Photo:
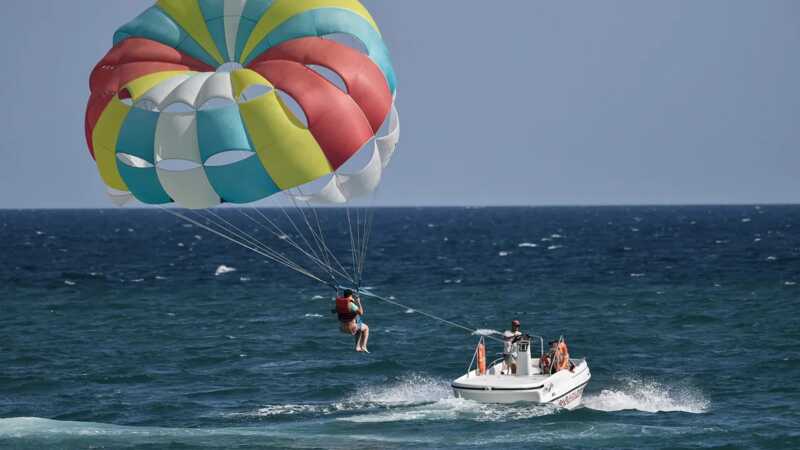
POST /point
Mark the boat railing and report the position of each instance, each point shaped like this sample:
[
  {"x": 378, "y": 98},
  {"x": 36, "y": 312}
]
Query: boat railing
[{"x": 493, "y": 363}]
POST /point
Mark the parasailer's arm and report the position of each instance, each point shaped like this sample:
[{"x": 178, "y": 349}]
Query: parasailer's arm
[{"x": 360, "y": 306}]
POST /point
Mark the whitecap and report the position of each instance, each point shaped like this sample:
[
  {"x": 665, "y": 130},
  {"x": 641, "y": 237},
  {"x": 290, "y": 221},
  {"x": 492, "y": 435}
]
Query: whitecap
[
  {"x": 244, "y": 279},
  {"x": 159, "y": 277},
  {"x": 317, "y": 297},
  {"x": 70, "y": 283},
  {"x": 772, "y": 258},
  {"x": 223, "y": 269},
  {"x": 137, "y": 280},
  {"x": 503, "y": 253},
  {"x": 746, "y": 220},
  {"x": 312, "y": 316},
  {"x": 527, "y": 245},
  {"x": 410, "y": 311},
  {"x": 554, "y": 247},
  {"x": 637, "y": 275},
  {"x": 789, "y": 283},
  {"x": 556, "y": 236}
]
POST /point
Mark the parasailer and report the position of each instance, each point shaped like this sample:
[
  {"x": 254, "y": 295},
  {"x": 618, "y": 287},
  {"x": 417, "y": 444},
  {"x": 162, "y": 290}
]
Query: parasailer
[
  {"x": 200, "y": 103},
  {"x": 350, "y": 313}
]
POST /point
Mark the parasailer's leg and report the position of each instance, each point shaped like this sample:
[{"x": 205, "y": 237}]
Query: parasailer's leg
[{"x": 361, "y": 346}]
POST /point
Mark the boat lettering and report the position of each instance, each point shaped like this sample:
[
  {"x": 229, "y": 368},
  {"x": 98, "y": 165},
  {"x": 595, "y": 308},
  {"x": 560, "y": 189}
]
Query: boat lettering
[{"x": 570, "y": 397}]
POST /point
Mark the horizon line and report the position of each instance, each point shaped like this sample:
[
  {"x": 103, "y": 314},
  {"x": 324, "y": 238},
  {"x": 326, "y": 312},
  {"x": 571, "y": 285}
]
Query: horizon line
[{"x": 460, "y": 206}]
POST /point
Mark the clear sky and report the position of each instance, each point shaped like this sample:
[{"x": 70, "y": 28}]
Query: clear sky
[{"x": 508, "y": 102}]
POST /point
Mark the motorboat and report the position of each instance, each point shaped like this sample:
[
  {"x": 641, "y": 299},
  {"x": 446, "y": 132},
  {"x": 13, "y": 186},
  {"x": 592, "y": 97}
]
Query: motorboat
[{"x": 532, "y": 382}]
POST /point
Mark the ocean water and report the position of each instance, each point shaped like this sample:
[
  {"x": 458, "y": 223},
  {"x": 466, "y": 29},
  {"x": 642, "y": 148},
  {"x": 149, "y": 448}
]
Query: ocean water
[{"x": 129, "y": 329}]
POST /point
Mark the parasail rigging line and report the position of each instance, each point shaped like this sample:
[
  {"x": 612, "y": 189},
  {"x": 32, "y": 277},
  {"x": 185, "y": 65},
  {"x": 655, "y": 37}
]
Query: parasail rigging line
[
  {"x": 278, "y": 232},
  {"x": 241, "y": 234},
  {"x": 300, "y": 233},
  {"x": 247, "y": 238},
  {"x": 317, "y": 235},
  {"x": 233, "y": 239},
  {"x": 428, "y": 315},
  {"x": 321, "y": 247},
  {"x": 330, "y": 268},
  {"x": 319, "y": 231},
  {"x": 353, "y": 247}
]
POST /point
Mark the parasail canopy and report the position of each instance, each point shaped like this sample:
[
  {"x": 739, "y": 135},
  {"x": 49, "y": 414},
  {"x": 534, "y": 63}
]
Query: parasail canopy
[{"x": 203, "y": 102}]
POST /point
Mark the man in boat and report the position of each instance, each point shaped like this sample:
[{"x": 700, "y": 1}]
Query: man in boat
[
  {"x": 510, "y": 339},
  {"x": 349, "y": 311}
]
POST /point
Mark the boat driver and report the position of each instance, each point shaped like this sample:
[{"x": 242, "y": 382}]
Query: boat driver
[
  {"x": 510, "y": 339},
  {"x": 349, "y": 311}
]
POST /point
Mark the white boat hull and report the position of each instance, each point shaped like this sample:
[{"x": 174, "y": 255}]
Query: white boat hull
[{"x": 563, "y": 389}]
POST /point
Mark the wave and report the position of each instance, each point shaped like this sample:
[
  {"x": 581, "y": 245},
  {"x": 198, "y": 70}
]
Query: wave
[
  {"x": 648, "y": 396},
  {"x": 223, "y": 269}
]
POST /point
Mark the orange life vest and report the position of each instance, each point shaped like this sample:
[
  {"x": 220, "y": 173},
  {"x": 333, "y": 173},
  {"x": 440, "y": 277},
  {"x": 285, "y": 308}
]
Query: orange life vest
[
  {"x": 563, "y": 356},
  {"x": 343, "y": 309}
]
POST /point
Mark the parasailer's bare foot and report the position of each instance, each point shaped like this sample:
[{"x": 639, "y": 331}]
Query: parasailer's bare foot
[
  {"x": 359, "y": 349},
  {"x": 364, "y": 349}
]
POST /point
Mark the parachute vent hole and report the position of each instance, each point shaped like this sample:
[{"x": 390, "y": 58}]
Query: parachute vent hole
[
  {"x": 216, "y": 103},
  {"x": 177, "y": 165},
  {"x": 331, "y": 76},
  {"x": 133, "y": 161},
  {"x": 178, "y": 107},
  {"x": 229, "y": 157},
  {"x": 253, "y": 92},
  {"x": 293, "y": 109},
  {"x": 231, "y": 66},
  {"x": 348, "y": 40}
]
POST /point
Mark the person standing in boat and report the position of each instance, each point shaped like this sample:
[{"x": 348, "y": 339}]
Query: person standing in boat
[
  {"x": 510, "y": 339},
  {"x": 350, "y": 312}
]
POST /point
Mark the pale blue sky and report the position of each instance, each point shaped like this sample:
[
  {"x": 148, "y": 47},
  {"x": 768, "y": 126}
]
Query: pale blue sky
[{"x": 521, "y": 102}]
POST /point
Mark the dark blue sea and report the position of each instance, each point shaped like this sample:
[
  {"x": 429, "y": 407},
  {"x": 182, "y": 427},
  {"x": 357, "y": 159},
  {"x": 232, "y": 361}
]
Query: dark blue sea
[{"x": 124, "y": 329}]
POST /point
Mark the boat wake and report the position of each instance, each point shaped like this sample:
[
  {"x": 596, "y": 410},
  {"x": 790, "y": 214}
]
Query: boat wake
[
  {"x": 648, "y": 396},
  {"x": 410, "y": 398}
]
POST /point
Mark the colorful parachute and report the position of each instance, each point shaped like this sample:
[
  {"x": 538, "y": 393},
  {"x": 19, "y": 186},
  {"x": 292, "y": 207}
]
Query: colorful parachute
[{"x": 177, "y": 87}]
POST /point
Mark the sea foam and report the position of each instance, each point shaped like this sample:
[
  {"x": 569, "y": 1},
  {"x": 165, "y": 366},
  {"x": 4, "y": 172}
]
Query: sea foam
[{"x": 648, "y": 396}]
